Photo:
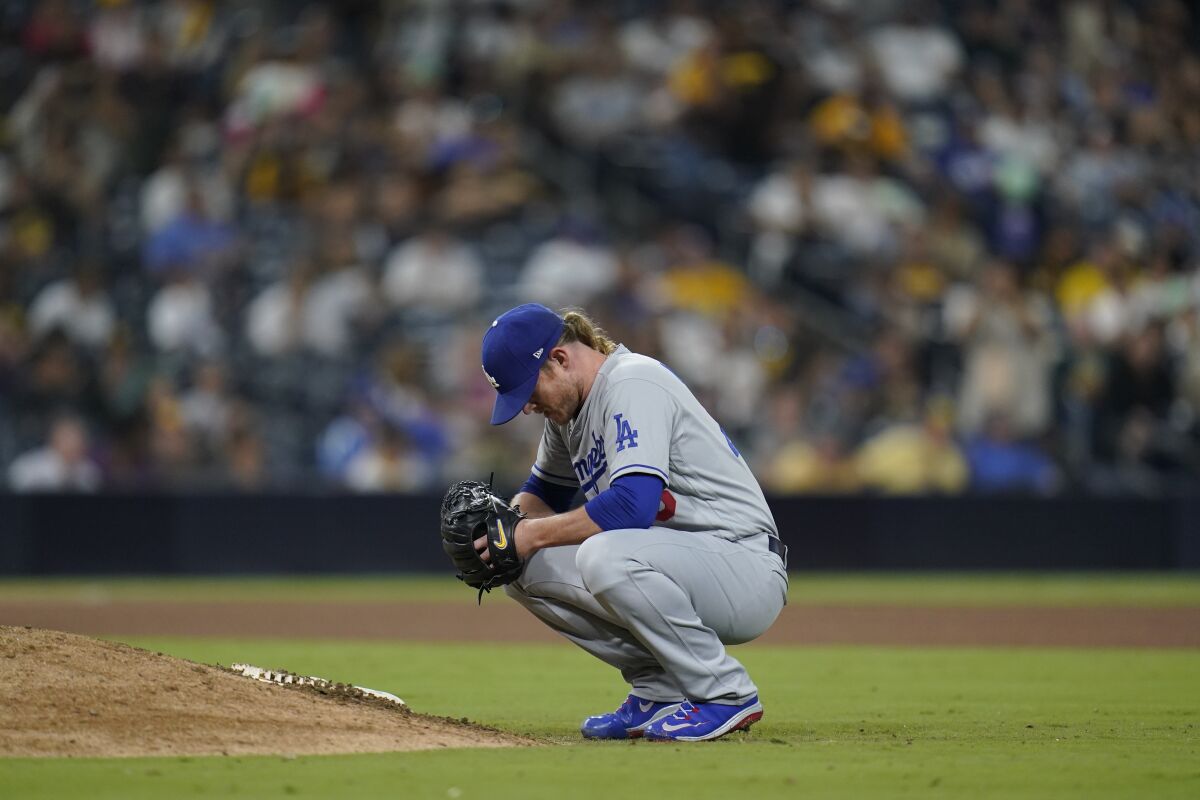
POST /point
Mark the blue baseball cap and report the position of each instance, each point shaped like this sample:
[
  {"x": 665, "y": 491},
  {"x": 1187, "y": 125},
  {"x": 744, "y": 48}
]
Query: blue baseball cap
[{"x": 514, "y": 349}]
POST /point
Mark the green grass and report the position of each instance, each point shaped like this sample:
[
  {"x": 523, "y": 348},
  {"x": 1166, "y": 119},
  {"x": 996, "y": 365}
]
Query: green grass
[
  {"x": 983, "y": 589},
  {"x": 841, "y": 722}
]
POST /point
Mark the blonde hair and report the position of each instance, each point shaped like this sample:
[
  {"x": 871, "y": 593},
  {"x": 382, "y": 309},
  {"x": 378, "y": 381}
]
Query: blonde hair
[{"x": 578, "y": 328}]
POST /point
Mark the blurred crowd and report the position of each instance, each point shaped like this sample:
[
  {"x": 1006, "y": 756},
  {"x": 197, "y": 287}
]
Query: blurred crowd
[{"x": 895, "y": 246}]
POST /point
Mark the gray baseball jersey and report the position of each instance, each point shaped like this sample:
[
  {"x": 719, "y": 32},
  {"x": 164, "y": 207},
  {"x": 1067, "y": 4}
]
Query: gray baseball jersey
[{"x": 640, "y": 417}]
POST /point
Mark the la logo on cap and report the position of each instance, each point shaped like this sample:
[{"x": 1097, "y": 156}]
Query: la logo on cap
[{"x": 495, "y": 383}]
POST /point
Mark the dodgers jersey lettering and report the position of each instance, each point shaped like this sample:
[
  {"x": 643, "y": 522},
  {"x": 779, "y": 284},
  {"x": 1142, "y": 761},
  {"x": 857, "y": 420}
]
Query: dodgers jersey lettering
[{"x": 639, "y": 417}]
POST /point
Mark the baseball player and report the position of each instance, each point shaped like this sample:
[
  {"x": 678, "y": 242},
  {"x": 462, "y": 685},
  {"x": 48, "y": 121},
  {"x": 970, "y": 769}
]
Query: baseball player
[{"x": 674, "y": 553}]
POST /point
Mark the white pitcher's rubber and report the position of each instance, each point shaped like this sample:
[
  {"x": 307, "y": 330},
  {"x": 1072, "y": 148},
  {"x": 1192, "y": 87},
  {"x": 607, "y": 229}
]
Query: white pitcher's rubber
[{"x": 285, "y": 678}]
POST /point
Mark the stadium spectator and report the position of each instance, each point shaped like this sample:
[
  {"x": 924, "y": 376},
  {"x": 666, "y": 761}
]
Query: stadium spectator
[
  {"x": 192, "y": 241},
  {"x": 117, "y": 35},
  {"x": 1133, "y": 425},
  {"x": 911, "y": 458},
  {"x": 1004, "y": 336},
  {"x": 916, "y": 57},
  {"x": 388, "y": 465},
  {"x": 180, "y": 318},
  {"x": 78, "y": 306},
  {"x": 598, "y": 103},
  {"x": 485, "y": 182},
  {"x": 206, "y": 407},
  {"x": 571, "y": 268},
  {"x": 346, "y": 438},
  {"x": 1000, "y": 463},
  {"x": 864, "y": 123},
  {"x": 954, "y": 243},
  {"x": 694, "y": 279},
  {"x": 275, "y": 318},
  {"x": 60, "y": 465},
  {"x": 122, "y": 377},
  {"x": 862, "y": 209},
  {"x": 855, "y": 209},
  {"x": 779, "y": 208},
  {"x": 52, "y": 32},
  {"x": 655, "y": 42},
  {"x": 166, "y": 193},
  {"x": 396, "y": 203},
  {"x": 820, "y": 466},
  {"x": 433, "y": 271},
  {"x": 245, "y": 461},
  {"x": 53, "y": 377},
  {"x": 340, "y": 302}
]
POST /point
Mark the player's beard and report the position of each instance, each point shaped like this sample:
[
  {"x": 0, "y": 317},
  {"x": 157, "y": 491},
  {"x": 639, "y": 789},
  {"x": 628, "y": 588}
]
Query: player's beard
[
  {"x": 562, "y": 413},
  {"x": 564, "y": 408}
]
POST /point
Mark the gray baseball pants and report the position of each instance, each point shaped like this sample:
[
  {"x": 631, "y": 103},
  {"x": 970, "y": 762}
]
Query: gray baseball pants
[{"x": 660, "y": 605}]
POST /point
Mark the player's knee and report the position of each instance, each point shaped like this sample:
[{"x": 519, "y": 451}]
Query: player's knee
[
  {"x": 601, "y": 561},
  {"x": 589, "y": 560},
  {"x": 594, "y": 562}
]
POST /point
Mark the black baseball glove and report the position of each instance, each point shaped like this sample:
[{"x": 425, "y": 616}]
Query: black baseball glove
[{"x": 469, "y": 511}]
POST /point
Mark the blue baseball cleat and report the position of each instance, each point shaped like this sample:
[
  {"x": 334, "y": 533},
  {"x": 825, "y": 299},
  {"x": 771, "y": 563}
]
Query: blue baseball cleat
[
  {"x": 628, "y": 721},
  {"x": 699, "y": 722}
]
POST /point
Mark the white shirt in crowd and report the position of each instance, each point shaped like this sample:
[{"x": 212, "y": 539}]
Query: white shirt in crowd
[
  {"x": 319, "y": 317},
  {"x": 334, "y": 304},
  {"x": 432, "y": 272},
  {"x": 44, "y": 470},
  {"x": 917, "y": 62},
  {"x": 207, "y": 413},
  {"x": 117, "y": 37},
  {"x": 180, "y": 318},
  {"x": 656, "y": 46},
  {"x": 591, "y": 108},
  {"x": 862, "y": 212},
  {"x": 86, "y": 320},
  {"x": 164, "y": 196},
  {"x": 564, "y": 272},
  {"x": 375, "y": 470},
  {"x": 776, "y": 203},
  {"x": 1028, "y": 140},
  {"x": 273, "y": 320}
]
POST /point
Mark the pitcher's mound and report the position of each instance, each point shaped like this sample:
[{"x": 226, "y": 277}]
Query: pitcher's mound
[{"x": 67, "y": 695}]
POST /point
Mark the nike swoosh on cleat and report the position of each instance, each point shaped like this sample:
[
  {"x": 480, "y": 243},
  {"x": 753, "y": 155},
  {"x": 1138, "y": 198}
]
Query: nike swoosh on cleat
[
  {"x": 669, "y": 727},
  {"x": 646, "y": 706}
]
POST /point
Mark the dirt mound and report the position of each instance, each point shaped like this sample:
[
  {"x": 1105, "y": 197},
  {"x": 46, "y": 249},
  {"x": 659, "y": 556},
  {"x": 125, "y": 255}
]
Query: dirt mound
[{"x": 67, "y": 695}]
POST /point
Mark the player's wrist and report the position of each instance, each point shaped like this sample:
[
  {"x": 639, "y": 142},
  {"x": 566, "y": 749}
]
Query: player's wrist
[{"x": 526, "y": 535}]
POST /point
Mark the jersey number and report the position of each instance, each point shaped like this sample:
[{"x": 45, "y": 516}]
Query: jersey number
[{"x": 626, "y": 435}]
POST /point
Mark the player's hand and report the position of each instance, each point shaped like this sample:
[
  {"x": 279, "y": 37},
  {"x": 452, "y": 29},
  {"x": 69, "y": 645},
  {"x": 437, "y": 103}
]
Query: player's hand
[
  {"x": 520, "y": 542},
  {"x": 485, "y": 561}
]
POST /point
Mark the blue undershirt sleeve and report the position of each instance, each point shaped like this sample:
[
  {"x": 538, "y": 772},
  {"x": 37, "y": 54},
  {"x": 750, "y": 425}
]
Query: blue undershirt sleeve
[
  {"x": 556, "y": 496},
  {"x": 631, "y": 501}
]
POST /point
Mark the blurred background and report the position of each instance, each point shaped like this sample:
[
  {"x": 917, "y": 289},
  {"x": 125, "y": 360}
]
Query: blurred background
[{"x": 896, "y": 247}]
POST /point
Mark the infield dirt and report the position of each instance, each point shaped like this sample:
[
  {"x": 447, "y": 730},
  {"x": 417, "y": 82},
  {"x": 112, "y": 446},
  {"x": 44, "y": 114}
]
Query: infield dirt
[
  {"x": 68, "y": 695},
  {"x": 505, "y": 621}
]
